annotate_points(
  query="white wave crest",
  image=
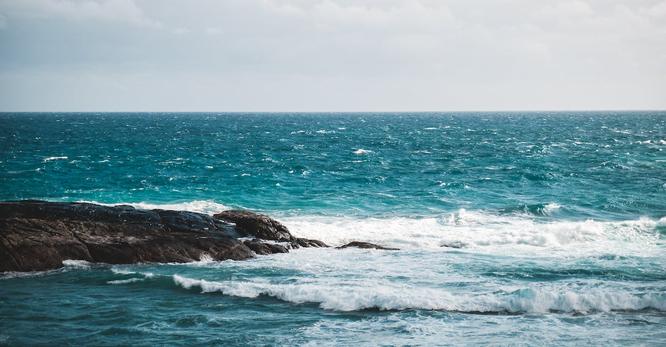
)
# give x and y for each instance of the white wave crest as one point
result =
(383, 296)
(361, 151)
(551, 207)
(482, 231)
(79, 264)
(48, 159)
(121, 271)
(129, 280)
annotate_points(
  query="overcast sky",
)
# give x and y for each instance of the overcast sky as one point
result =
(332, 55)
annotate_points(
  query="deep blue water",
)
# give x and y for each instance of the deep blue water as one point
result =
(561, 218)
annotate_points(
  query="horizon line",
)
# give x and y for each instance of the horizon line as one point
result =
(344, 112)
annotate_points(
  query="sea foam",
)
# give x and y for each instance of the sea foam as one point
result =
(484, 232)
(341, 297)
(48, 159)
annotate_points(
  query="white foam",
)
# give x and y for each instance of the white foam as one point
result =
(205, 258)
(121, 271)
(362, 151)
(342, 296)
(551, 207)
(484, 232)
(661, 222)
(79, 264)
(129, 280)
(47, 159)
(19, 274)
(118, 271)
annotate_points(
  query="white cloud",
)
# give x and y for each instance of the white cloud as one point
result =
(108, 10)
(349, 54)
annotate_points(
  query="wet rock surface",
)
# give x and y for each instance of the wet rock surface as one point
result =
(263, 248)
(256, 225)
(260, 226)
(40, 235)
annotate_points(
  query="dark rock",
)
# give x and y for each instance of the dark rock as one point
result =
(260, 247)
(359, 244)
(39, 235)
(256, 225)
(454, 244)
(307, 243)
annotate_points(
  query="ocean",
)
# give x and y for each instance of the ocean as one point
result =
(514, 228)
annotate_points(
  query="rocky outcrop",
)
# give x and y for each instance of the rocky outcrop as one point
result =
(359, 244)
(251, 224)
(38, 235)
(263, 248)
(256, 225)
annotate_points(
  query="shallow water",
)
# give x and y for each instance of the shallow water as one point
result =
(514, 228)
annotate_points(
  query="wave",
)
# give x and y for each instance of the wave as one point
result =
(121, 271)
(533, 209)
(48, 159)
(125, 272)
(661, 225)
(362, 151)
(77, 264)
(516, 228)
(479, 230)
(68, 264)
(129, 280)
(393, 297)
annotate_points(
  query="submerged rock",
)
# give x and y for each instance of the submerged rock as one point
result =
(39, 235)
(359, 244)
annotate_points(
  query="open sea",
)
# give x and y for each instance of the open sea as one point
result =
(523, 228)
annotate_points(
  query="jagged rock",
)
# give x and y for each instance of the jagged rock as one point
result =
(308, 243)
(263, 227)
(263, 248)
(359, 244)
(39, 235)
(256, 225)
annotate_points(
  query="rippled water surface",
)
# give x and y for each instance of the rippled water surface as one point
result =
(513, 228)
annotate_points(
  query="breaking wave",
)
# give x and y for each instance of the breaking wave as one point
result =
(484, 231)
(385, 297)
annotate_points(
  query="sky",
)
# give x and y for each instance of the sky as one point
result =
(332, 55)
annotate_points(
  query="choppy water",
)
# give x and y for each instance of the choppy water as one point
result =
(560, 217)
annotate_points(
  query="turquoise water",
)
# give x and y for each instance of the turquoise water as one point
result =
(560, 218)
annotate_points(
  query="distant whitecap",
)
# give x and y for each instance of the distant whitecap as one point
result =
(53, 158)
(362, 151)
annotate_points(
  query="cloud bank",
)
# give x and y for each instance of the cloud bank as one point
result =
(332, 55)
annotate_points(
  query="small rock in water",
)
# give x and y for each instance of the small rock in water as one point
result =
(359, 244)
(454, 244)
(308, 243)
